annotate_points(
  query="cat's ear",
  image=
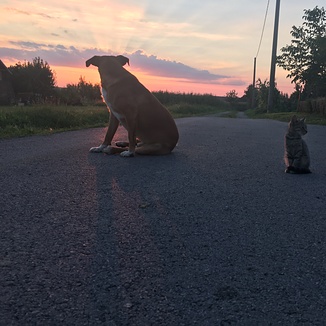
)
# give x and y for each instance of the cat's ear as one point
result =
(293, 119)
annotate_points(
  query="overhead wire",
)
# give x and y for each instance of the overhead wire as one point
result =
(263, 29)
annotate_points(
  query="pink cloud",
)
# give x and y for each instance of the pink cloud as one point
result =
(60, 55)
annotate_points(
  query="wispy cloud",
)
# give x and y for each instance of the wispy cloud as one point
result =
(56, 55)
(27, 45)
(29, 13)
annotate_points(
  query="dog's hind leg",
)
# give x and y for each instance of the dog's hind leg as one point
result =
(153, 149)
(125, 143)
(111, 150)
(122, 144)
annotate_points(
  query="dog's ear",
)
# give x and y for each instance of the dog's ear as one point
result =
(93, 61)
(123, 60)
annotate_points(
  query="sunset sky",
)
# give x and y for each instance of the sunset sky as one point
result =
(200, 46)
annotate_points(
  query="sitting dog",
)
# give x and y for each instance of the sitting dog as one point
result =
(136, 108)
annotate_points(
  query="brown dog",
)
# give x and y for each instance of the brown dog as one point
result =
(134, 106)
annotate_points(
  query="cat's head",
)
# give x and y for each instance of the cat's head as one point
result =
(298, 125)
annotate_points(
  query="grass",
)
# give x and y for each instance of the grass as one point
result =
(18, 121)
(183, 110)
(33, 120)
(311, 118)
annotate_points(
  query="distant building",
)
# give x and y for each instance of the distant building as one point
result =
(7, 95)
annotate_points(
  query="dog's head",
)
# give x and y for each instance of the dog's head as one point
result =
(98, 60)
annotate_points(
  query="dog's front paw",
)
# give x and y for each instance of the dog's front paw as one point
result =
(98, 149)
(127, 154)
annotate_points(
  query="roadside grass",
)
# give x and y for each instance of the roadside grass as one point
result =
(183, 110)
(16, 121)
(32, 120)
(311, 118)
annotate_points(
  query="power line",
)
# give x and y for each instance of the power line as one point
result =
(263, 29)
(255, 58)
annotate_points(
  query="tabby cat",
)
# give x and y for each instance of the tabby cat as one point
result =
(296, 158)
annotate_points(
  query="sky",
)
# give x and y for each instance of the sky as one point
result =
(199, 46)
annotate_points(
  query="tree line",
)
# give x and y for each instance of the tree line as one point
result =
(304, 59)
(35, 82)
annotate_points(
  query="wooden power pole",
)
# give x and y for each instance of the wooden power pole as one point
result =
(253, 86)
(273, 61)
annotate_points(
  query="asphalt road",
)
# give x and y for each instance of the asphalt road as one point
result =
(214, 234)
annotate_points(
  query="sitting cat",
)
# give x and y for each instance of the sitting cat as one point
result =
(296, 158)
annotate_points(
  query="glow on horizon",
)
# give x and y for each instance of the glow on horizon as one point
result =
(183, 46)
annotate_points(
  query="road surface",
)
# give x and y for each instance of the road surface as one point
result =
(214, 234)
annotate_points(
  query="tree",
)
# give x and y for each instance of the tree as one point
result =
(262, 94)
(34, 79)
(81, 93)
(281, 101)
(87, 91)
(305, 57)
(232, 96)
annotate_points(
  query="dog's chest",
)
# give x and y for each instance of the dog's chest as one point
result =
(107, 102)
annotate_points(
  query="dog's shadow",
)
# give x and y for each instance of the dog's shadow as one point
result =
(132, 193)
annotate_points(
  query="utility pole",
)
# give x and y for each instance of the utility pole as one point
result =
(273, 61)
(253, 85)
